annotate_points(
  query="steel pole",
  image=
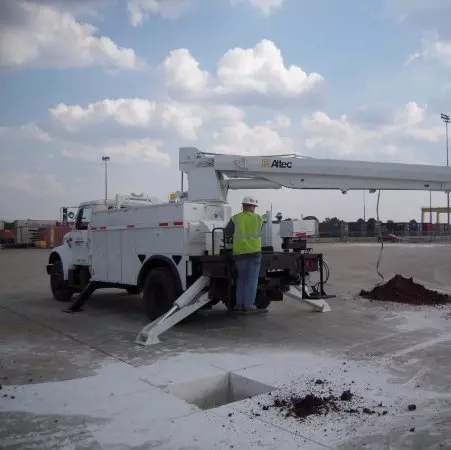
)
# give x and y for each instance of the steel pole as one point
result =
(430, 207)
(447, 165)
(364, 206)
(106, 181)
(446, 119)
(105, 159)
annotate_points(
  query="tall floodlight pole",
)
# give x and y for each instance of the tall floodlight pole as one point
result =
(445, 118)
(106, 159)
(364, 206)
(430, 207)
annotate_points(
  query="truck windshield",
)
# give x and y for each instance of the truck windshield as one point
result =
(84, 218)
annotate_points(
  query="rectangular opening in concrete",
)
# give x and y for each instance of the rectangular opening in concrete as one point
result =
(212, 392)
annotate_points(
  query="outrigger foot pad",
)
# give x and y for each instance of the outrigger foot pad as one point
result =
(82, 298)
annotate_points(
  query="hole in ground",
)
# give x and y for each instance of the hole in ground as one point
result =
(212, 392)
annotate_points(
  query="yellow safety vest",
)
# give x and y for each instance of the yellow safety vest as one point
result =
(247, 237)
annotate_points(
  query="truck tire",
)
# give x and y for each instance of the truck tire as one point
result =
(262, 300)
(159, 292)
(60, 289)
(132, 290)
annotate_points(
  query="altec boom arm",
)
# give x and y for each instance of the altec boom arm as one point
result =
(210, 176)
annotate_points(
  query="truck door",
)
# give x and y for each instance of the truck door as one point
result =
(80, 236)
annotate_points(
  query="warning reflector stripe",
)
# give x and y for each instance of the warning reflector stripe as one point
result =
(131, 226)
(300, 234)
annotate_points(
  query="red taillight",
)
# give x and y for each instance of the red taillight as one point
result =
(310, 264)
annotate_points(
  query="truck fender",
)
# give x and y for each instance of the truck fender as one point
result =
(159, 261)
(63, 254)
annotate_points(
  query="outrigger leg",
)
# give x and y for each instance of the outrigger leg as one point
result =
(194, 298)
(82, 298)
(310, 295)
(318, 304)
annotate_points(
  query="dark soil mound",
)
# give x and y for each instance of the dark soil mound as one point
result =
(306, 406)
(346, 396)
(405, 290)
(292, 405)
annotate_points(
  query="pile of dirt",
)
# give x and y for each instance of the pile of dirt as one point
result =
(323, 399)
(302, 407)
(404, 290)
(312, 404)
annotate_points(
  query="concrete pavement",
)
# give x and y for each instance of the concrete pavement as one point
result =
(79, 381)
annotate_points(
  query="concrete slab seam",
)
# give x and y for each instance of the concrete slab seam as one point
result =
(48, 327)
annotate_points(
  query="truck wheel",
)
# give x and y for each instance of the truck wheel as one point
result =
(60, 289)
(132, 290)
(262, 300)
(159, 292)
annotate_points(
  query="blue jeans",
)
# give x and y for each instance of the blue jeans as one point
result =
(248, 269)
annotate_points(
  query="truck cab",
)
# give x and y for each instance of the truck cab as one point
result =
(70, 261)
(69, 265)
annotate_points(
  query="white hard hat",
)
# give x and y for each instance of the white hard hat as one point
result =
(248, 200)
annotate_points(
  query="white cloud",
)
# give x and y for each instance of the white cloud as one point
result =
(336, 135)
(411, 115)
(414, 122)
(41, 185)
(266, 7)
(32, 131)
(433, 49)
(28, 131)
(91, 8)
(241, 138)
(143, 150)
(279, 122)
(135, 161)
(183, 72)
(259, 71)
(139, 10)
(342, 138)
(320, 135)
(182, 118)
(262, 69)
(223, 113)
(43, 36)
(431, 14)
(139, 151)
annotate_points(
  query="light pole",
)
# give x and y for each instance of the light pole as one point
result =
(106, 159)
(364, 206)
(430, 207)
(445, 118)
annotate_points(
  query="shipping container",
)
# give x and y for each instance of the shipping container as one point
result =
(7, 237)
(52, 236)
(26, 236)
(31, 223)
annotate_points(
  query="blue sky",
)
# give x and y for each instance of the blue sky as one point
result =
(383, 69)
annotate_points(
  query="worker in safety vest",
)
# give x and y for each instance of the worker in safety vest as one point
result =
(246, 229)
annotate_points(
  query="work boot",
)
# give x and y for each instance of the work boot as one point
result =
(236, 308)
(252, 309)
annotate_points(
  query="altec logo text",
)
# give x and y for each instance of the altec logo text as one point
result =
(268, 163)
